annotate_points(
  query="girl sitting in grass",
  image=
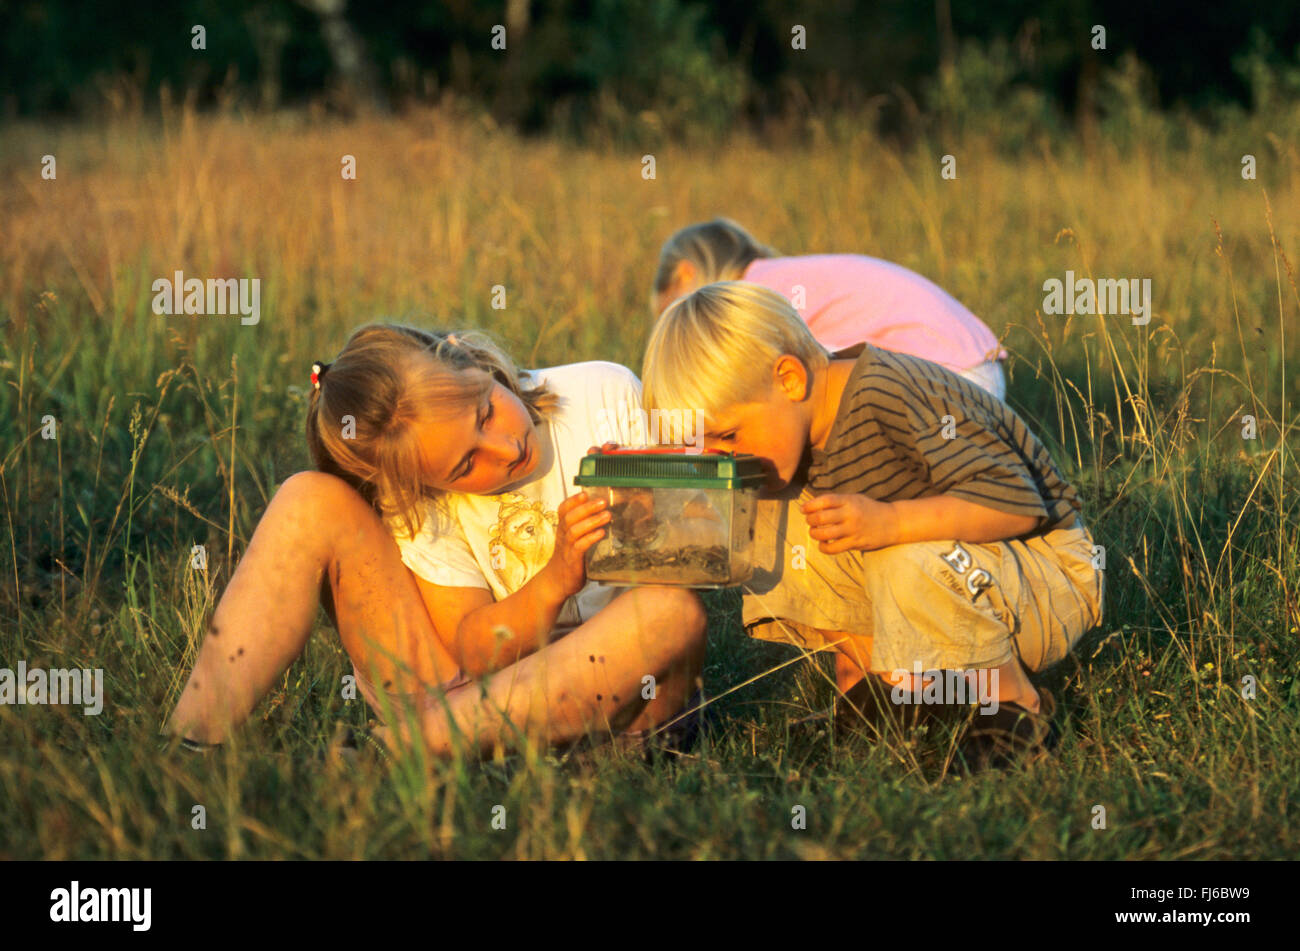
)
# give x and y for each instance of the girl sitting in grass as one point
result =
(845, 299)
(440, 535)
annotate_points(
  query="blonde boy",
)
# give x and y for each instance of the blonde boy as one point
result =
(911, 521)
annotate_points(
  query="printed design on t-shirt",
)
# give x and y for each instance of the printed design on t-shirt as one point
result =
(522, 539)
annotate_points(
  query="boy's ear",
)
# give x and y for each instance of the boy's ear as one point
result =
(684, 274)
(791, 377)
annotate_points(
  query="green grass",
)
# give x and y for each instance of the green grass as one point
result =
(176, 431)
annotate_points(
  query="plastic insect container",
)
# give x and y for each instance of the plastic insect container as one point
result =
(677, 517)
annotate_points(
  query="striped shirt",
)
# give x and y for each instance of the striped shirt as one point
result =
(907, 428)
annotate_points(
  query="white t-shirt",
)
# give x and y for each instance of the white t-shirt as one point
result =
(500, 541)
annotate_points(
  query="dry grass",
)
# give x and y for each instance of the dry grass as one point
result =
(175, 431)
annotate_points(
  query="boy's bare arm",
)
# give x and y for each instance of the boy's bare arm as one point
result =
(847, 522)
(947, 518)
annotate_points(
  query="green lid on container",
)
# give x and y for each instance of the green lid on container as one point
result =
(671, 469)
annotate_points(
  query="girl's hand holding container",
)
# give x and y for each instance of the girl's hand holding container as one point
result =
(581, 524)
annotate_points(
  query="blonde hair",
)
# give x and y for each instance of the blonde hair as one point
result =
(715, 348)
(387, 378)
(720, 250)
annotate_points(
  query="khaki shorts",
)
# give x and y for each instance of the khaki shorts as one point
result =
(936, 605)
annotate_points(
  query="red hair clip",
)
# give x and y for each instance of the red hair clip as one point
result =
(317, 369)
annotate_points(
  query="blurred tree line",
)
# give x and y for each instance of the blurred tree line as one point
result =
(667, 67)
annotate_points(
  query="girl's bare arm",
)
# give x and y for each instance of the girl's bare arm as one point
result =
(484, 635)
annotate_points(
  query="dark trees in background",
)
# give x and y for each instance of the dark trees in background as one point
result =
(681, 63)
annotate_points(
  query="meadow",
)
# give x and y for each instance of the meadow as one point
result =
(1181, 713)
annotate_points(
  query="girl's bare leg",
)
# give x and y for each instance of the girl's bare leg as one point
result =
(315, 523)
(632, 666)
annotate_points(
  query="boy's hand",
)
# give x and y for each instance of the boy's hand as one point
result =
(582, 523)
(851, 522)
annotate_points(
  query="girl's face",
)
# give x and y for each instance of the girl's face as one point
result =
(488, 448)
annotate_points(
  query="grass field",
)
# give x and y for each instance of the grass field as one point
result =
(175, 431)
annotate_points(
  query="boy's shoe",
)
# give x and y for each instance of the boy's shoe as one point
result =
(869, 702)
(1012, 736)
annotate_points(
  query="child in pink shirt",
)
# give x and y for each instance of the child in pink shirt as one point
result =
(845, 299)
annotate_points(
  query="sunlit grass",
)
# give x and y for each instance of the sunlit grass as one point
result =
(174, 432)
